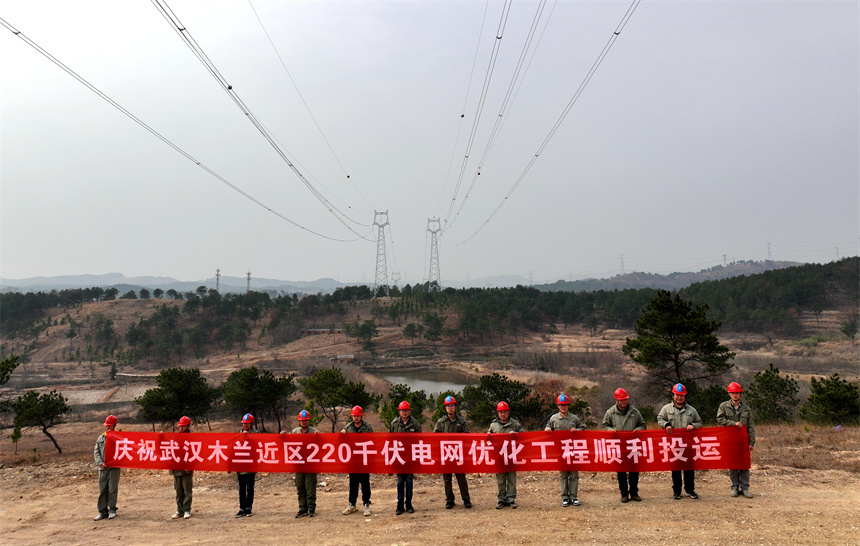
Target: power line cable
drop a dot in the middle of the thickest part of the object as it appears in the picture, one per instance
(488, 76)
(198, 52)
(307, 107)
(158, 135)
(576, 95)
(503, 108)
(463, 110)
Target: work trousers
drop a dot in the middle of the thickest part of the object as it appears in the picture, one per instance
(108, 489)
(507, 482)
(183, 487)
(306, 487)
(625, 478)
(740, 479)
(569, 484)
(449, 489)
(689, 481)
(246, 490)
(404, 489)
(356, 480)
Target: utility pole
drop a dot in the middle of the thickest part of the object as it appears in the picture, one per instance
(434, 280)
(218, 280)
(248, 291)
(381, 280)
(622, 263)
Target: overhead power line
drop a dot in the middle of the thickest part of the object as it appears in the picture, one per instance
(494, 133)
(307, 107)
(198, 52)
(158, 135)
(565, 112)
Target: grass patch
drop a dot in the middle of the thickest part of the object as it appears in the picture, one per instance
(808, 447)
(809, 342)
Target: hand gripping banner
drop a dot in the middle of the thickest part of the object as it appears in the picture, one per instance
(426, 453)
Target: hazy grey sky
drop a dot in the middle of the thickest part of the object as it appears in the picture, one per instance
(709, 130)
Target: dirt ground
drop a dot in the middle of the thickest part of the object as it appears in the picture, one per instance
(53, 501)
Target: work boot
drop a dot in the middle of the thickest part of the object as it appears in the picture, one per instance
(467, 504)
(410, 509)
(625, 498)
(500, 505)
(747, 494)
(301, 514)
(312, 513)
(399, 510)
(734, 493)
(350, 509)
(513, 504)
(635, 497)
(240, 514)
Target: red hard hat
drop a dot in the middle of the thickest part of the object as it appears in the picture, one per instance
(357, 411)
(248, 418)
(621, 394)
(110, 420)
(404, 405)
(304, 415)
(735, 387)
(450, 400)
(678, 388)
(183, 421)
(503, 406)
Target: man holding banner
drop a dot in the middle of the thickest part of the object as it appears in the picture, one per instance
(183, 480)
(507, 481)
(564, 420)
(734, 413)
(623, 416)
(306, 483)
(680, 415)
(358, 479)
(108, 476)
(404, 423)
(453, 422)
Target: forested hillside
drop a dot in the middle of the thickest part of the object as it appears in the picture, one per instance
(195, 324)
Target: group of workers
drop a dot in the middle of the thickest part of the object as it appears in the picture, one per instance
(622, 416)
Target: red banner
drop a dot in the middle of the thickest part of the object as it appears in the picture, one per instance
(428, 453)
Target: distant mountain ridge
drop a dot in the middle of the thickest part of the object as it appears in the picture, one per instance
(672, 281)
(226, 284)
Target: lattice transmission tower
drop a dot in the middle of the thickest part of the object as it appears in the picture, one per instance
(434, 281)
(381, 280)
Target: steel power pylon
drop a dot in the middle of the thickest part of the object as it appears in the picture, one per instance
(381, 263)
(434, 281)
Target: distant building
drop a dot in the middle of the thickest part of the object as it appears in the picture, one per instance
(345, 359)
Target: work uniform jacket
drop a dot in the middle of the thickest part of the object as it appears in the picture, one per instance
(615, 419)
(511, 426)
(363, 428)
(570, 422)
(412, 425)
(679, 418)
(445, 424)
(728, 416)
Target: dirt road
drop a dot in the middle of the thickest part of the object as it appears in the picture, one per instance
(55, 503)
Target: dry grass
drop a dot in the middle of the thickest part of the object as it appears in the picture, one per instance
(808, 447)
